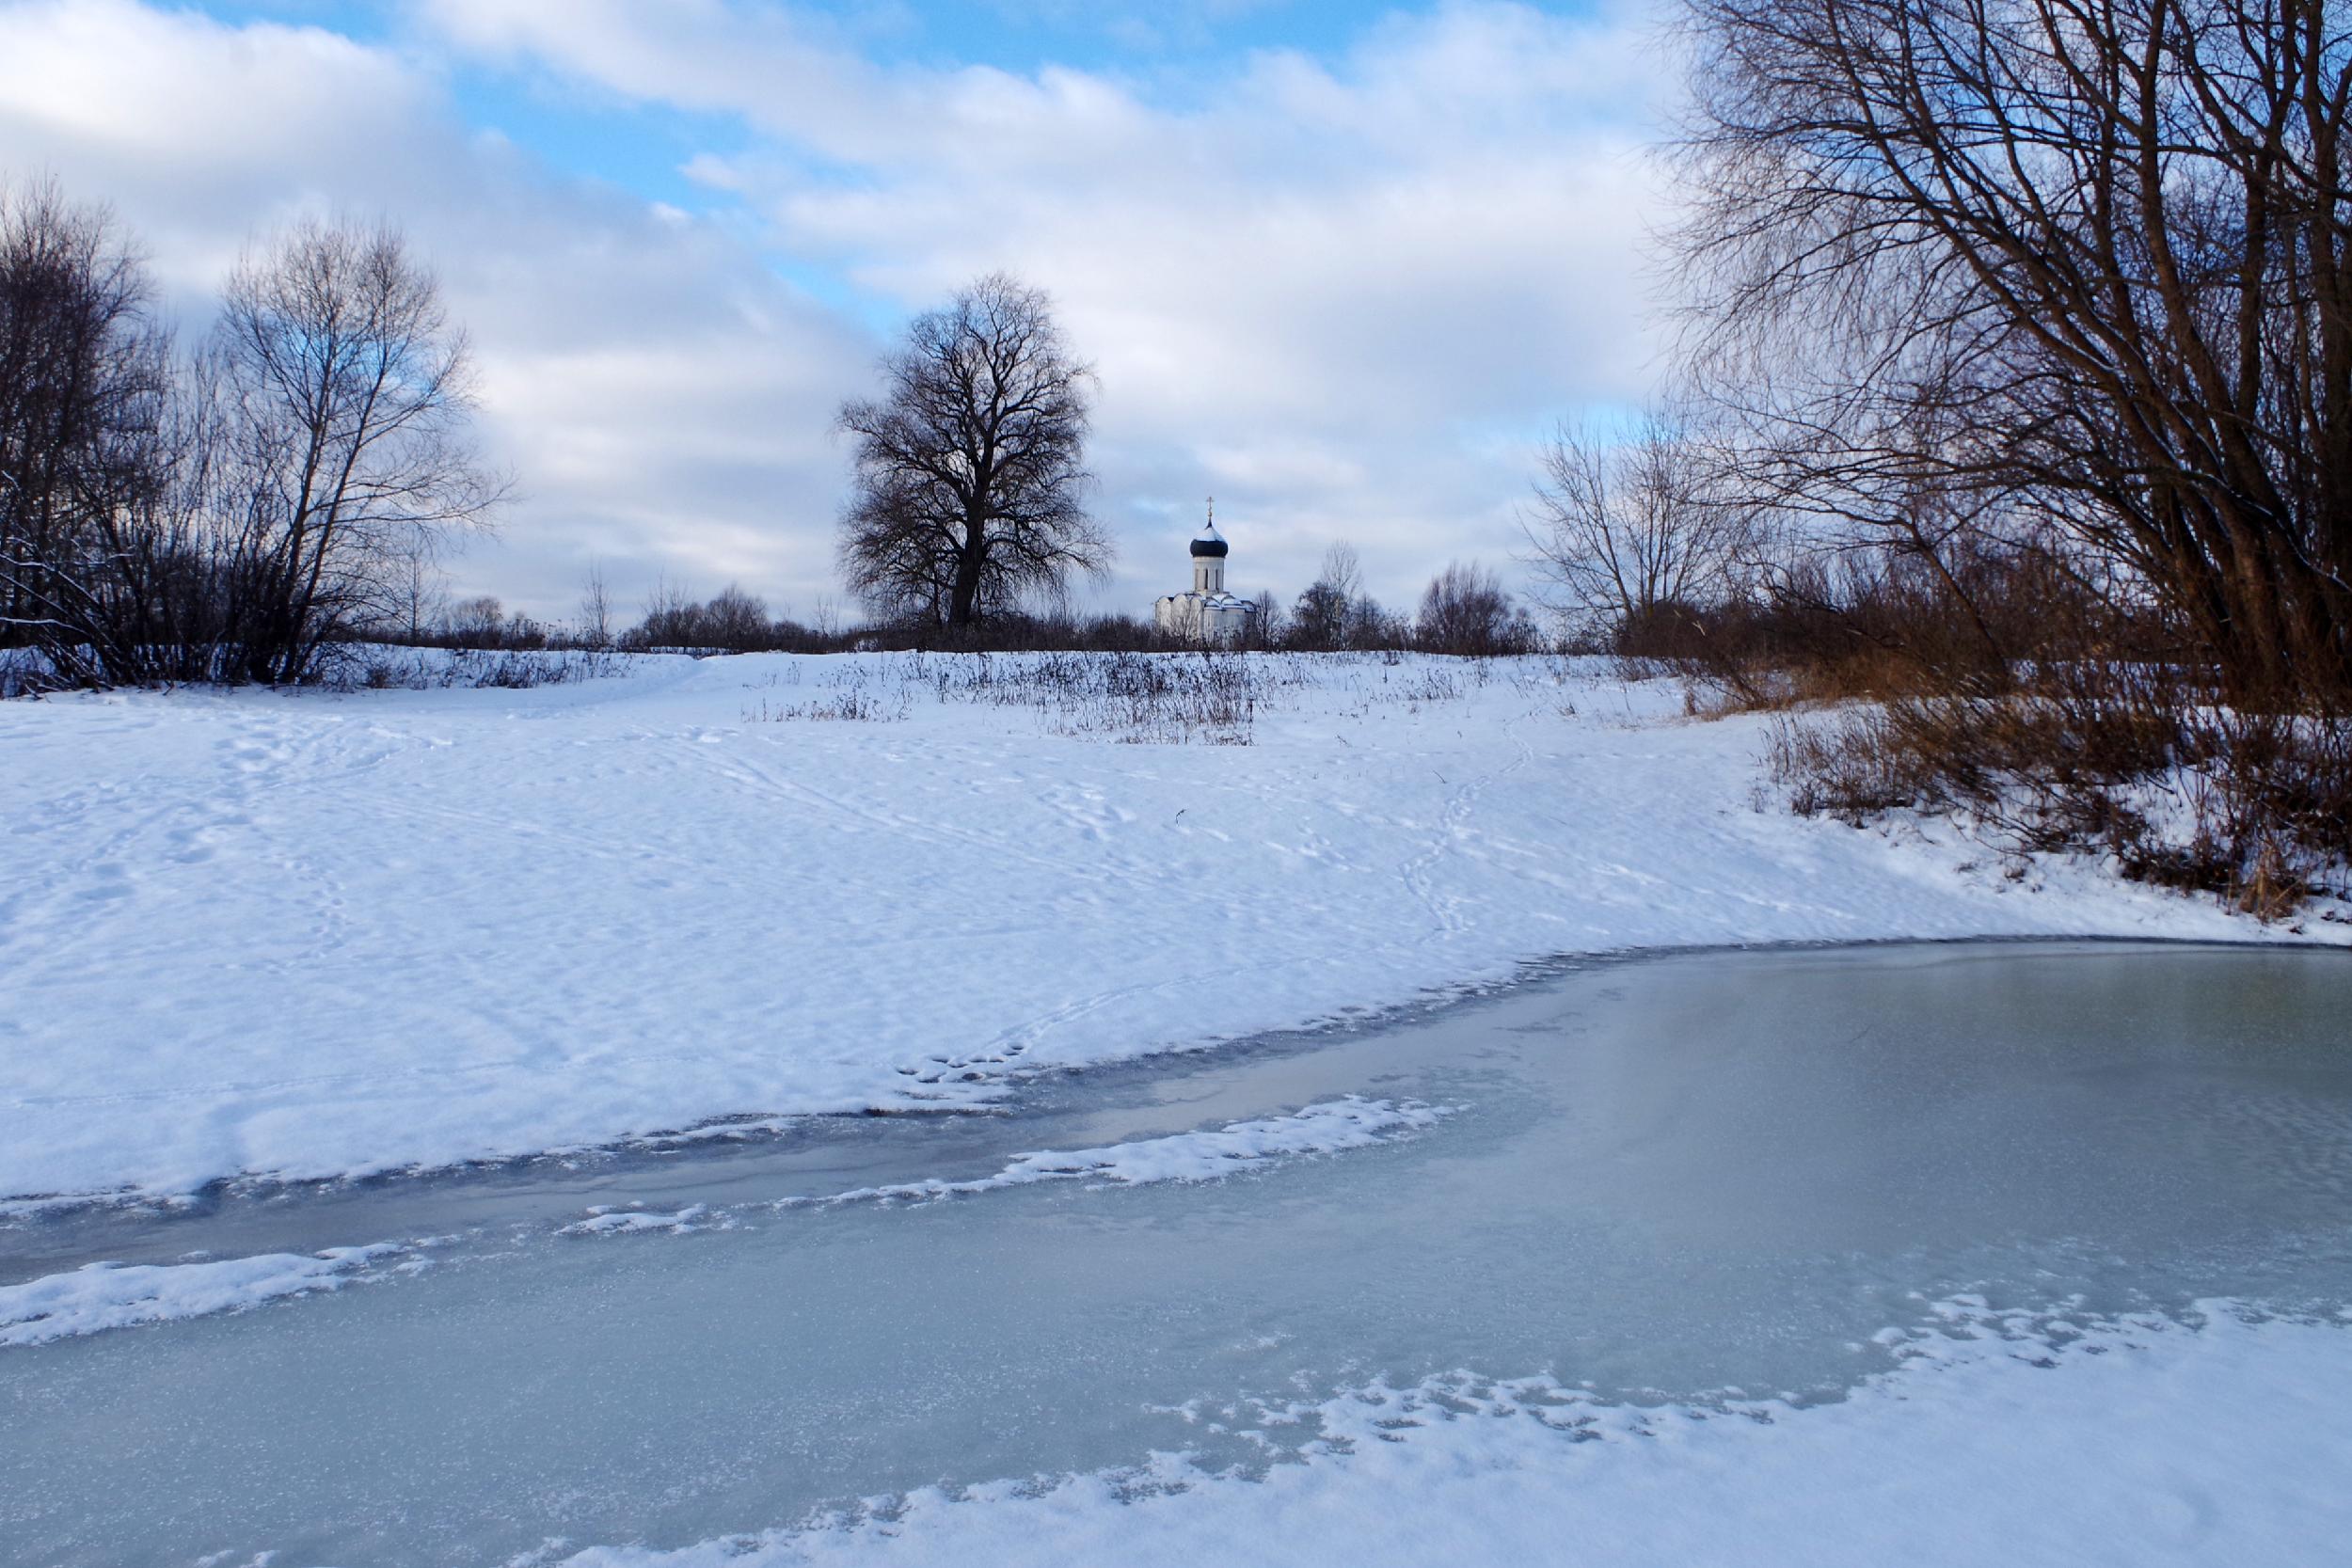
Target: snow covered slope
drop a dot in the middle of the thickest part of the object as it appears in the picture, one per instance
(307, 935)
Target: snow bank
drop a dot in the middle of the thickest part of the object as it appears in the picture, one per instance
(2134, 1444)
(604, 1220)
(1328, 1128)
(99, 1296)
(1348, 1122)
(309, 936)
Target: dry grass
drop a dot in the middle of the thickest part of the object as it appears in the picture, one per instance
(854, 693)
(2126, 759)
(1209, 698)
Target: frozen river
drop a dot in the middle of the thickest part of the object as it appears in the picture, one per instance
(1662, 1178)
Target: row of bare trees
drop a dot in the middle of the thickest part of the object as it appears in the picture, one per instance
(2015, 391)
(225, 511)
(1464, 609)
(2060, 282)
(2048, 275)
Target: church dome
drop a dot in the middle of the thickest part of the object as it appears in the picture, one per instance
(1208, 542)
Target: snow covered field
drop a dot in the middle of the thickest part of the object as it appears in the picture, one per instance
(310, 935)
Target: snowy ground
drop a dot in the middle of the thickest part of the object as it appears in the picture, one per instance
(310, 935)
(2131, 1443)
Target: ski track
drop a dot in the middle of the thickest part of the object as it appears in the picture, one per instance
(306, 935)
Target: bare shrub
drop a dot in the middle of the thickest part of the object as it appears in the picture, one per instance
(856, 695)
(734, 620)
(2128, 760)
(347, 667)
(1430, 684)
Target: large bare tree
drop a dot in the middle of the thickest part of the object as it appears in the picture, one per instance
(85, 373)
(2082, 265)
(1628, 524)
(1321, 619)
(970, 468)
(348, 391)
(1465, 610)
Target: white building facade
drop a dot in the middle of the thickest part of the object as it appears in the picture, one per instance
(1208, 613)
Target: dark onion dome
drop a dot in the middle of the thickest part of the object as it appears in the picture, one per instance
(1208, 542)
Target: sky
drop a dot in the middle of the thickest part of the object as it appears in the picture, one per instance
(1340, 266)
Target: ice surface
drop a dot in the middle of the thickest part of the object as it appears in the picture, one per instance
(307, 936)
(1735, 1183)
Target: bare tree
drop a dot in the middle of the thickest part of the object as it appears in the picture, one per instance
(84, 421)
(476, 623)
(415, 588)
(2085, 266)
(1266, 628)
(1630, 528)
(1325, 612)
(596, 610)
(1466, 610)
(1343, 569)
(671, 619)
(351, 392)
(970, 468)
(1371, 625)
(736, 620)
(1319, 619)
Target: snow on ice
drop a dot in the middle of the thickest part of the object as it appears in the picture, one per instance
(101, 1296)
(605, 1220)
(1335, 1125)
(2128, 1444)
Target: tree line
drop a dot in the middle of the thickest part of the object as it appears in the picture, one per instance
(236, 507)
(1464, 611)
(227, 509)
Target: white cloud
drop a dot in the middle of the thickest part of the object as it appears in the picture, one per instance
(662, 398)
(1339, 295)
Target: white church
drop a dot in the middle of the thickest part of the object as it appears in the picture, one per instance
(1208, 613)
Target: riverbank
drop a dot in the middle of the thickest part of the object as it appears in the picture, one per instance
(305, 936)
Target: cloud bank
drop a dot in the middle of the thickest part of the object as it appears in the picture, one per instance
(1344, 292)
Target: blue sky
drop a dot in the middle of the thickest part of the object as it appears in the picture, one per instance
(1340, 264)
(1152, 37)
